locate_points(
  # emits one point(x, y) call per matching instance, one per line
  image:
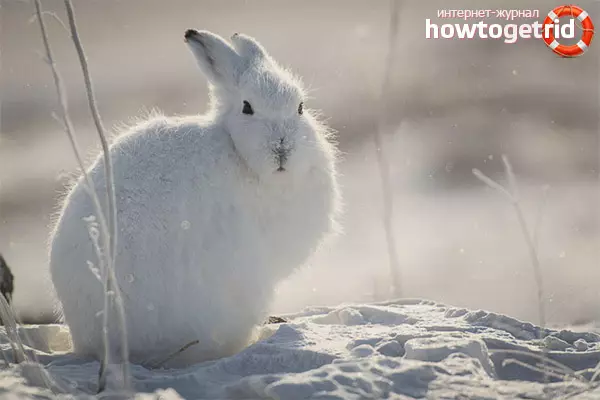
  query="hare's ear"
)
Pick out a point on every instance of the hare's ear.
point(217, 59)
point(248, 48)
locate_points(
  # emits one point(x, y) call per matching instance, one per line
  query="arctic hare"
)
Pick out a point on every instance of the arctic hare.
point(212, 210)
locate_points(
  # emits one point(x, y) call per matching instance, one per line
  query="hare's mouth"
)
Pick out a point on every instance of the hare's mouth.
point(281, 159)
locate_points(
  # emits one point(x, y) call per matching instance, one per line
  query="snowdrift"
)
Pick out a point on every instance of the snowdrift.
point(400, 349)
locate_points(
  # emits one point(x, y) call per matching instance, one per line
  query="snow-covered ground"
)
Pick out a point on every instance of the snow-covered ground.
point(394, 350)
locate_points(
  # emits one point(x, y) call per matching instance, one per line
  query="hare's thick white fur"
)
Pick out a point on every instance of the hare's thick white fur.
point(212, 211)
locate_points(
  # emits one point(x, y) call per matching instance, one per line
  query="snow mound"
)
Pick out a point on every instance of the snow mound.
point(394, 350)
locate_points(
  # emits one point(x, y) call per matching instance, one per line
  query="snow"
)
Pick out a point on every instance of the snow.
point(400, 349)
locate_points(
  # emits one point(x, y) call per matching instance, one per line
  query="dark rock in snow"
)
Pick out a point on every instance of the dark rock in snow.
point(7, 280)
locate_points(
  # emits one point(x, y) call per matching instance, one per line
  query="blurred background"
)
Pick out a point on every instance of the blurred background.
point(450, 106)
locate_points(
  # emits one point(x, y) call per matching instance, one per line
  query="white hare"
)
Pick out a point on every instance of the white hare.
point(212, 211)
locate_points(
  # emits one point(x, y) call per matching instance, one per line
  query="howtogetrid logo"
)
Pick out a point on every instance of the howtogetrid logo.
point(551, 31)
point(551, 26)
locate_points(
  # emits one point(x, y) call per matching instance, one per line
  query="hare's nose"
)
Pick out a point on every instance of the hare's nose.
point(189, 33)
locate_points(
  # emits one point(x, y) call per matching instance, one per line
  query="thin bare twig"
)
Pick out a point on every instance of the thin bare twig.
point(112, 288)
point(596, 373)
point(383, 162)
point(9, 317)
point(11, 325)
point(64, 111)
point(178, 352)
point(105, 262)
point(50, 14)
point(541, 357)
point(528, 236)
point(535, 262)
point(512, 196)
point(108, 168)
point(545, 371)
point(493, 184)
point(12, 331)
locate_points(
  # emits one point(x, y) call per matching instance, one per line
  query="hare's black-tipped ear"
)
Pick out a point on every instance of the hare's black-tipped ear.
point(248, 48)
point(217, 59)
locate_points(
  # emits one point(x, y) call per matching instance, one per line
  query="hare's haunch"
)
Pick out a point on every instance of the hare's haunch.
point(212, 212)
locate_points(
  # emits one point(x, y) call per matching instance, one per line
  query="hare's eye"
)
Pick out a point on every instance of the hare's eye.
point(301, 108)
point(247, 108)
